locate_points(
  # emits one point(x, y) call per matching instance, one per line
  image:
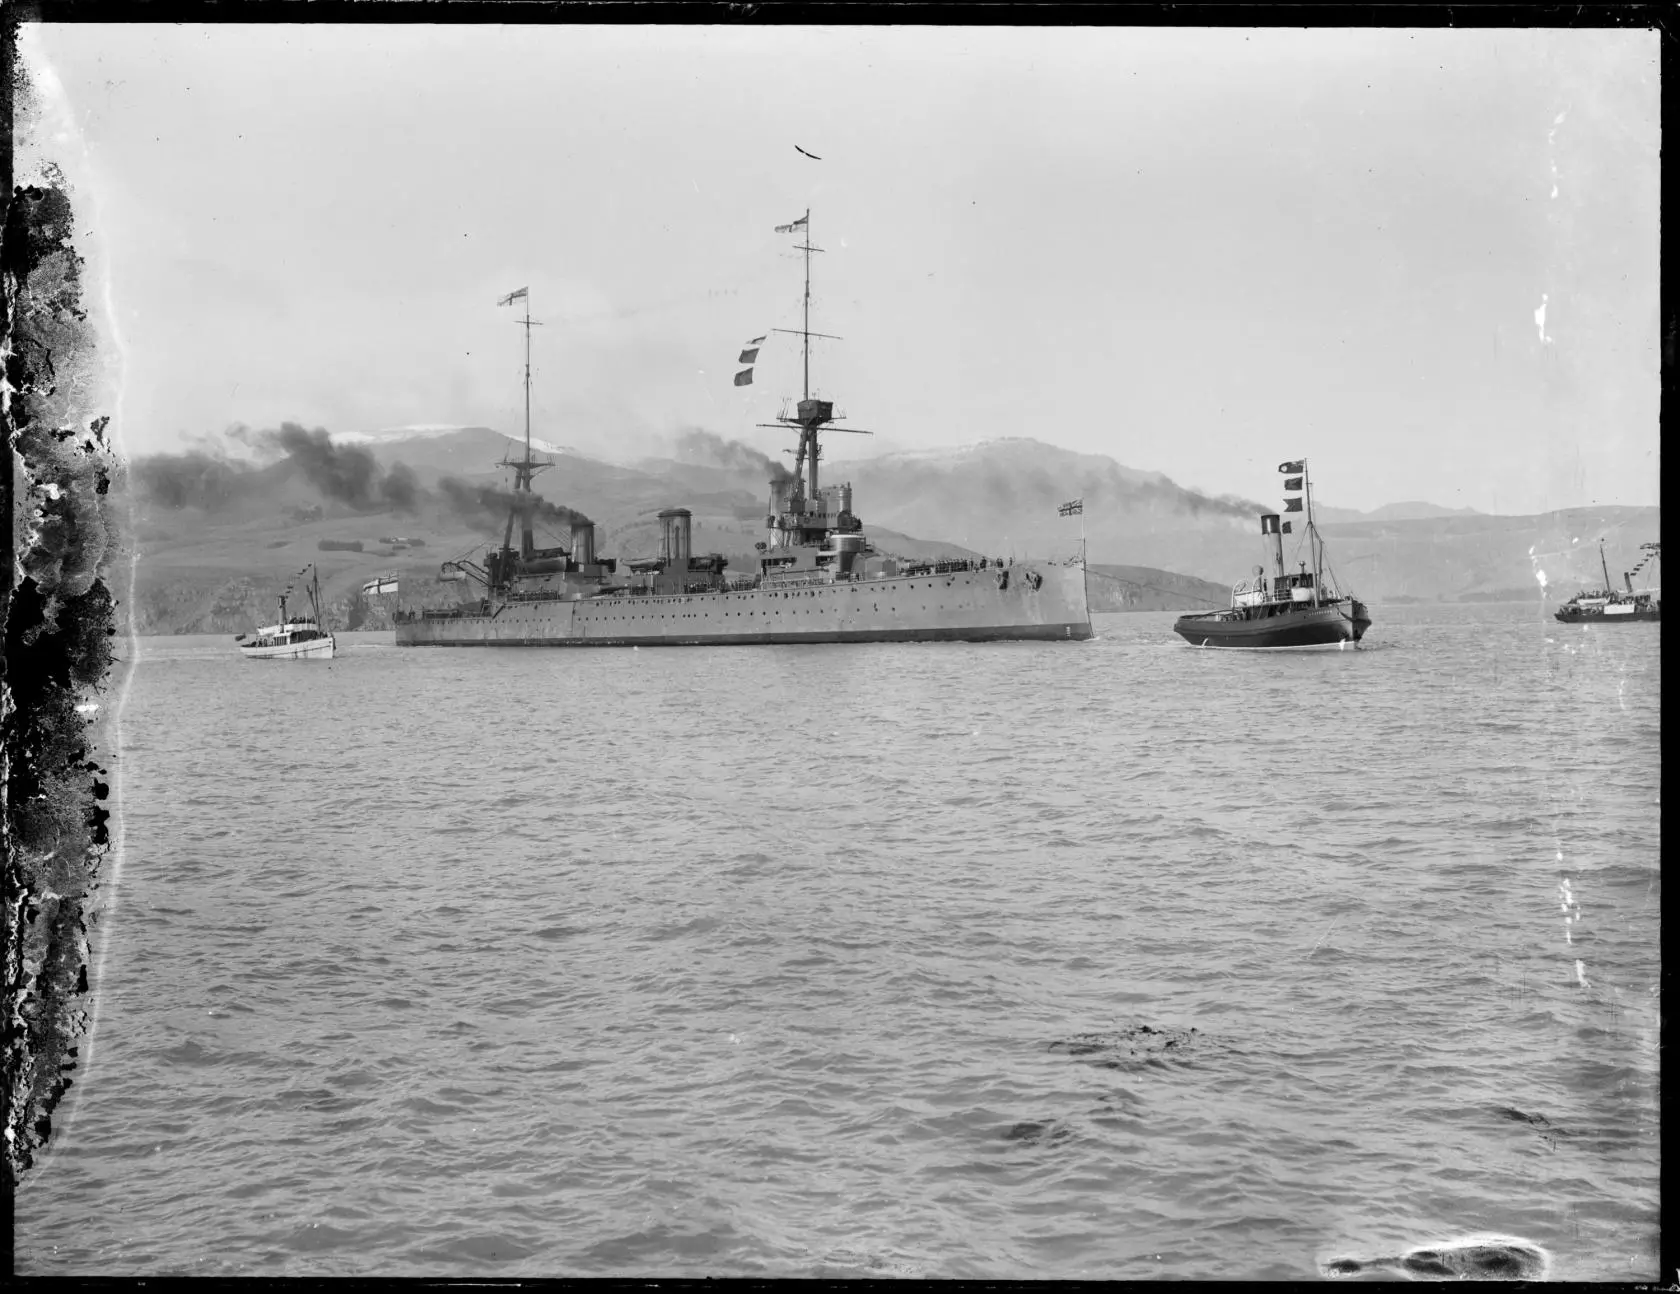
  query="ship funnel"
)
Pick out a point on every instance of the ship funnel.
point(675, 537)
point(1269, 527)
point(583, 543)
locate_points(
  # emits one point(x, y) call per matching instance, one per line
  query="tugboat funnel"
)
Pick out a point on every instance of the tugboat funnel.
point(1269, 527)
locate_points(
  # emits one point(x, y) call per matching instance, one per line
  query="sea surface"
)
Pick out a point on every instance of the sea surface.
point(1105, 960)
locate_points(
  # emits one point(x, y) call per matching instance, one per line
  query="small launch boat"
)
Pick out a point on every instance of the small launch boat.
point(292, 637)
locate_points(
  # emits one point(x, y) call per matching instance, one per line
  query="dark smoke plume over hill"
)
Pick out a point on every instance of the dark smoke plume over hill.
point(214, 481)
point(708, 447)
point(193, 480)
point(401, 488)
point(487, 505)
point(1191, 501)
point(348, 474)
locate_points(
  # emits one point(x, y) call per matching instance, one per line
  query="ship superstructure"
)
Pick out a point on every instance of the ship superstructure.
point(818, 578)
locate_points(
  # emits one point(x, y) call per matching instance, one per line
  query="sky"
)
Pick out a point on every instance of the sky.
point(1425, 260)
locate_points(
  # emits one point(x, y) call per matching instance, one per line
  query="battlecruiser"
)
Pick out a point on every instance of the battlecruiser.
point(1288, 608)
point(292, 637)
point(1607, 607)
point(818, 578)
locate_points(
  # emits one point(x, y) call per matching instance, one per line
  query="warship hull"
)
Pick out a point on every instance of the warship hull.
point(1025, 601)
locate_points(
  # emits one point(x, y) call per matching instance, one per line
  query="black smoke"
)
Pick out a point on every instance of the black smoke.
point(489, 505)
point(1193, 501)
point(1006, 488)
point(214, 481)
point(192, 480)
point(708, 447)
point(400, 488)
point(346, 473)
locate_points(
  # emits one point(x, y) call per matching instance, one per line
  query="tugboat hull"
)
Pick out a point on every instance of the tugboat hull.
point(1026, 601)
point(1332, 626)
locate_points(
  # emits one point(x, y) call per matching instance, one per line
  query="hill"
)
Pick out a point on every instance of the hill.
point(218, 537)
point(1142, 588)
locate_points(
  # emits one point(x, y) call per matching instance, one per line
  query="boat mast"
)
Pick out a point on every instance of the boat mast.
point(1312, 534)
point(1605, 567)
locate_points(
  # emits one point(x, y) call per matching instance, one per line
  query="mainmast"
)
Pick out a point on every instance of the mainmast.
point(1605, 567)
point(527, 378)
point(812, 413)
point(805, 392)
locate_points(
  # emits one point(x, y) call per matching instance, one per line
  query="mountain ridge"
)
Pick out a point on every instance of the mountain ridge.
point(203, 520)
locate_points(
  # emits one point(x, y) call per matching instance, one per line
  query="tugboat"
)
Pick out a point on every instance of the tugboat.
point(1291, 608)
point(819, 580)
point(1607, 607)
point(292, 637)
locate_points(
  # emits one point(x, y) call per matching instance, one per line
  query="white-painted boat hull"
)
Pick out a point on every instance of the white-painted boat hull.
point(313, 649)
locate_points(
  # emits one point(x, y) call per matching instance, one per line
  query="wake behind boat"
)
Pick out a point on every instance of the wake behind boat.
point(292, 637)
point(1608, 607)
point(818, 578)
point(1289, 609)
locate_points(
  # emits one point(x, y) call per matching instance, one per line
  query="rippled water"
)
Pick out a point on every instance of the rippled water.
point(753, 961)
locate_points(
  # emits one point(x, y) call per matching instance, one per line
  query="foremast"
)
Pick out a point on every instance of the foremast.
point(311, 588)
point(1299, 483)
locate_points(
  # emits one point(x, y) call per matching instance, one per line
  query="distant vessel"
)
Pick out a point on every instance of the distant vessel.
point(818, 578)
point(1611, 608)
point(1289, 609)
point(293, 637)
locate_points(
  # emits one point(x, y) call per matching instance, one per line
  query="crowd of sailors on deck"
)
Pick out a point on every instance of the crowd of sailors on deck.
point(965, 564)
